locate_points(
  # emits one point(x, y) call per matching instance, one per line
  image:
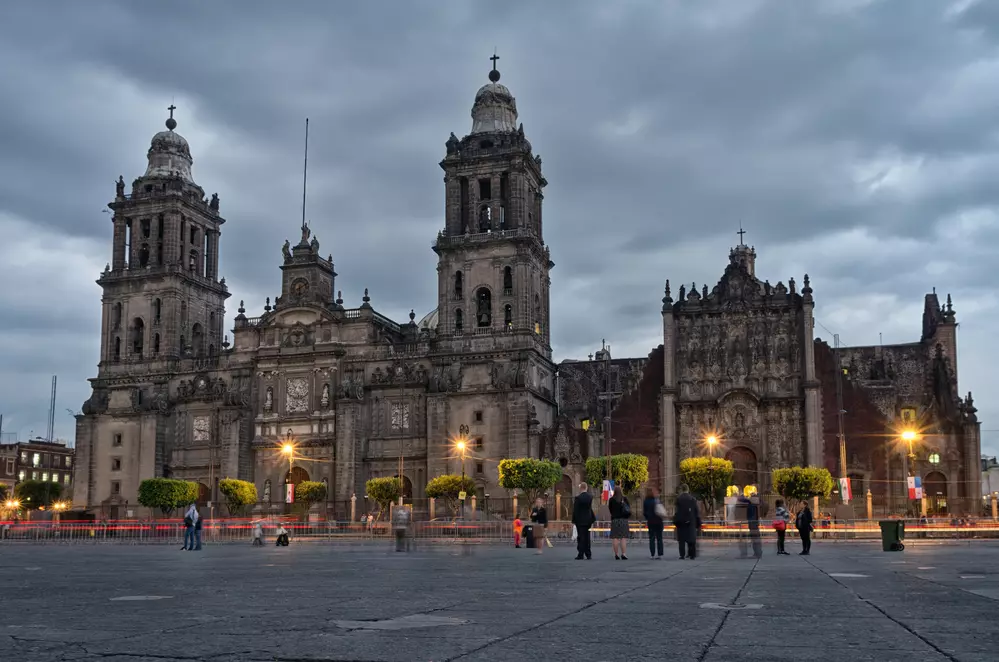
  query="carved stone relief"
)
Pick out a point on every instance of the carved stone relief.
point(297, 395)
point(201, 428)
point(400, 416)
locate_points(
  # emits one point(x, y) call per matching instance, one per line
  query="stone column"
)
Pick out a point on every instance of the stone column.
point(558, 506)
point(813, 421)
point(353, 508)
point(433, 507)
point(870, 505)
point(668, 401)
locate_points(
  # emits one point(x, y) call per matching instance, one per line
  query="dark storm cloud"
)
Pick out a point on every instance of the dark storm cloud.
point(842, 133)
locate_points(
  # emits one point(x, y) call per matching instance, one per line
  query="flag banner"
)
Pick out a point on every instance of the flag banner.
point(608, 490)
point(289, 493)
point(915, 487)
point(844, 489)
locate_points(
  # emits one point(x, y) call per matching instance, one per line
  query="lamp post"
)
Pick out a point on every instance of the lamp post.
point(288, 449)
point(712, 440)
point(462, 446)
point(908, 436)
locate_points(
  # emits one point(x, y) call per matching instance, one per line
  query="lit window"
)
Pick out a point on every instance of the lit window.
point(585, 424)
point(34, 475)
point(69, 461)
point(20, 475)
point(537, 328)
point(45, 476)
point(65, 479)
point(934, 458)
point(36, 461)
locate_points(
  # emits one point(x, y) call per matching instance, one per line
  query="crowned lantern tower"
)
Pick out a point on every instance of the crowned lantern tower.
point(493, 282)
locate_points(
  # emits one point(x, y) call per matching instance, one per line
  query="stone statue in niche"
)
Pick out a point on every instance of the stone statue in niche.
point(269, 399)
point(324, 400)
point(267, 490)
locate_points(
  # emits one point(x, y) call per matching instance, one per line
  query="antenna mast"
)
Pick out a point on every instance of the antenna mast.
point(51, 429)
point(305, 172)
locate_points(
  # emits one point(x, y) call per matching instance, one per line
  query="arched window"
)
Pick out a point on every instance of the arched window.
point(211, 350)
point(156, 344)
point(116, 316)
point(508, 316)
point(459, 322)
point(197, 339)
point(458, 290)
point(507, 281)
point(117, 349)
point(483, 308)
point(138, 334)
point(157, 310)
point(144, 255)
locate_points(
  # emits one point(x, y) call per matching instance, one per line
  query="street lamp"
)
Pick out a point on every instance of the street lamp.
point(712, 440)
point(908, 436)
point(462, 446)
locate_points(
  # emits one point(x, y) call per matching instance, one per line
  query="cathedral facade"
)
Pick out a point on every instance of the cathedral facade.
point(359, 395)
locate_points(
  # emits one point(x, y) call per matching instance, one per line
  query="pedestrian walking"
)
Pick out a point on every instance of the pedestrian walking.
point(804, 523)
point(583, 518)
point(258, 535)
point(197, 533)
point(687, 521)
point(781, 520)
point(400, 525)
point(282, 536)
point(620, 512)
point(654, 513)
point(539, 516)
point(190, 518)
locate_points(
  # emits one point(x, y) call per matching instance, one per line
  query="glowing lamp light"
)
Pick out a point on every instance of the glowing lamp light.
point(460, 445)
point(712, 440)
point(909, 435)
point(287, 449)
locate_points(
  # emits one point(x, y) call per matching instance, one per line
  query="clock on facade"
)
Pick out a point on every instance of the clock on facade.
point(299, 287)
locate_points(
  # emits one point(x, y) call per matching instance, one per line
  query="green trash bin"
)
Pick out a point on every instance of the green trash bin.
point(892, 535)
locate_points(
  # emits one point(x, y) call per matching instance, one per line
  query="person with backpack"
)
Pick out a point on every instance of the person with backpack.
point(190, 518)
point(781, 520)
point(654, 512)
point(803, 522)
point(687, 520)
point(620, 512)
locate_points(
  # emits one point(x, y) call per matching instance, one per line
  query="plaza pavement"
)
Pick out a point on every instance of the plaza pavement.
point(320, 601)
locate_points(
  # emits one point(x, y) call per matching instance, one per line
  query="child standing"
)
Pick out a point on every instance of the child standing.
point(517, 528)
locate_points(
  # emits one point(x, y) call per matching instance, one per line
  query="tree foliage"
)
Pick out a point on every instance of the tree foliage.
point(35, 494)
point(798, 484)
point(384, 491)
point(530, 476)
point(167, 494)
point(238, 494)
point(447, 488)
point(708, 478)
point(629, 470)
point(310, 492)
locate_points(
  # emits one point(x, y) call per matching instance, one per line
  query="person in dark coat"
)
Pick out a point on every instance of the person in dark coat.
point(652, 510)
point(583, 518)
point(749, 507)
point(803, 522)
point(687, 521)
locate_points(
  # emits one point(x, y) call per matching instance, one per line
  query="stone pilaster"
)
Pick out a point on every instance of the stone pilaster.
point(667, 412)
point(813, 415)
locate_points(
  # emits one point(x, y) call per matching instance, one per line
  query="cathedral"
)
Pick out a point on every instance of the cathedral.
point(740, 375)
point(357, 394)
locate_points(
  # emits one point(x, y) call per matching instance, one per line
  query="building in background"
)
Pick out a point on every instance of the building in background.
point(37, 459)
point(358, 394)
point(990, 475)
point(739, 363)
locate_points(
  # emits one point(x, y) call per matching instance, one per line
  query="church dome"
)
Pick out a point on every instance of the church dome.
point(169, 154)
point(495, 109)
point(430, 320)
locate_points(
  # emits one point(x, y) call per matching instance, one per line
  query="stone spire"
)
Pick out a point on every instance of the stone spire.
point(169, 154)
point(495, 109)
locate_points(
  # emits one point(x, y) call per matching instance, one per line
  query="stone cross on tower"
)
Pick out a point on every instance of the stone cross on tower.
point(741, 233)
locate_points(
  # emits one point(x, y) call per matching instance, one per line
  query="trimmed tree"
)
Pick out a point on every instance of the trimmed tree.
point(530, 476)
point(798, 484)
point(167, 494)
point(238, 494)
point(35, 494)
point(708, 478)
point(447, 488)
point(310, 492)
point(384, 491)
point(629, 470)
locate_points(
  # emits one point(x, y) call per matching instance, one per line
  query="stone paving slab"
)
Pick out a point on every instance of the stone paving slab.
point(366, 603)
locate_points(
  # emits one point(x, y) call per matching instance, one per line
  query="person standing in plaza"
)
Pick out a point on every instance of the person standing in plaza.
point(400, 524)
point(539, 516)
point(190, 518)
point(583, 518)
point(687, 520)
point(620, 512)
point(781, 520)
point(803, 522)
point(197, 531)
point(654, 513)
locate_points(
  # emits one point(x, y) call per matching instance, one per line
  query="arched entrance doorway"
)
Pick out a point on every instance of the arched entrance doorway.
point(564, 488)
point(204, 494)
point(296, 475)
point(935, 489)
point(744, 463)
point(407, 488)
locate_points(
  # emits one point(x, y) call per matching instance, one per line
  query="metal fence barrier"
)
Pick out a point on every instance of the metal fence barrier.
point(231, 531)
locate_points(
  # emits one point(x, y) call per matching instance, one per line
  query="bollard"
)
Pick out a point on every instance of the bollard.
point(433, 506)
point(353, 508)
point(995, 497)
point(473, 507)
point(558, 505)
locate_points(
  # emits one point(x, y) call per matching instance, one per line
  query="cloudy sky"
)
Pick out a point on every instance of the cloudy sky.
point(857, 141)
